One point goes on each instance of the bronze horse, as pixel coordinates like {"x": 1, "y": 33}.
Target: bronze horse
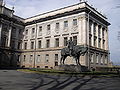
{"x": 76, "y": 52}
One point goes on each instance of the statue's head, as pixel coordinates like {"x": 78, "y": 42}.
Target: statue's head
{"x": 70, "y": 43}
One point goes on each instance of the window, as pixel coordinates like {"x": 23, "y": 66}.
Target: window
{"x": 74, "y": 22}
{"x": 103, "y": 32}
{"x": 57, "y": 25}
{"x": 48, "y": 27}
{"x": 95, "y": 29}
{"x": 13, "y": 44}
{"x": 32, "y": 45}
{"x": 75, "y": 40}
{"x": 24, "y": 58}
{"x": 47, "y": 43}
{"x": 4, "y": 41}
{"x": 99, "y": 31}
{"x": 65, "y": 41}
{"x": 20, "y": 31}
{"x": 103, "y": 44}
{"x": 101, "y": 59}
{"x": 40, "y": 30}
{"x": 106, "y": 59}
{"x": 56, "y": 63}
{"x": 57, "y": 42}
{"x": 31, "y": 58}
{"x": 90, "y": 40}
{"x": 38, "y": 58}
{"x": 99, "y": 42}
{"x": 18, "y": 58}
{"x": 95, "y": 40}
{"x": 13, "y": 32}
{"x": 33, "y": 30}
{"x": 25, "y": 45}
{"x": 39, "y": 44}
{"x": 46, "y": 66}
{"x": 56, "y": 57}
{"x": 90, "y": 27}
{"x": 65, "y": 24}
{"x": 92, "y": 58}
{"x": 26, "y": 32}
{"x": 47, "y": 58}
{"x": 97, "y": 58}
{"x": 19, "y": 45}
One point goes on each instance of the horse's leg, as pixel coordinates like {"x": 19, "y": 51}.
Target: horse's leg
{"x": 78, "y": 63}
{"x": 61, "y": 60}
{"x": 64, "y": 59}
{"x": 78, "y": 59}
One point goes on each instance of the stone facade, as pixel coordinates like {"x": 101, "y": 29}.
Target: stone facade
{"x": 11, "y": 29}
{"x": 46, "y": 34}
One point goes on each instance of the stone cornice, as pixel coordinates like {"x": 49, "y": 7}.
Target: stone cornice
{"x": 11, "y": 19}
{"x": 98, "y": 50}
{"x": 76, "y": 11}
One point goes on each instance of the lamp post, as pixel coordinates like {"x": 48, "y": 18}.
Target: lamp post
{"x": 88, "y": 39}
{"x": 35, "y": 43}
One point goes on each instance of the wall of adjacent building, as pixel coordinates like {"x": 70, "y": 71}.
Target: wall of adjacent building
{"x": 11, "y": 35}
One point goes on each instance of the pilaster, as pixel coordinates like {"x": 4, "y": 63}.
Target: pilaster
{"x": 92, "y": 32}
{"x": 80, "y": 25}
{"x": 84, "y": 31}
{"x": 0, "y": 32}
{"x": 101, "y": 37}
{"x": 9, "y": 37}
{"x": 97, "y": 35}
{"x": 106, "y": 39}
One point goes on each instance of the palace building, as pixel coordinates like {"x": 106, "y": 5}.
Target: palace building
{"x": 36, "y": 42}
{"x": 11, "y": 35}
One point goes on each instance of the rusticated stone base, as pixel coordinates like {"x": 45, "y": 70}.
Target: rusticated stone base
{"x": 72, "y": 68}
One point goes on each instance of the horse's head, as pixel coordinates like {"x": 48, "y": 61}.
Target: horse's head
{"x": 83, "y": 50}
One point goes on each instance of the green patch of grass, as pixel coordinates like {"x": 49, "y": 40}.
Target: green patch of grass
{"x": 52, "y": 71}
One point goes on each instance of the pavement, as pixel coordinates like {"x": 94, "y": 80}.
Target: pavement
{"x": 17, "y": 80}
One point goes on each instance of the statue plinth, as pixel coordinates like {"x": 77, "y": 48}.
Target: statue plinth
{"x": 72, "y": 68}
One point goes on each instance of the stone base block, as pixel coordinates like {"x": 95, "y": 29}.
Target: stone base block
{"x": 72, "y": 68}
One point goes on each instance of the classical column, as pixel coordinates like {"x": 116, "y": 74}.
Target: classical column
{"x": 80, "y": 30}
{"x": 100, "y": 36}
{"x": 102, "y": 31}
{"x": 84, "y": 31}
{"x": 92, "y": 32}
{"x": 9, "y": 37}
{"x": 97, "y": 35}
{"x": 0, "y": 32}
{"x": 106, "y": 39}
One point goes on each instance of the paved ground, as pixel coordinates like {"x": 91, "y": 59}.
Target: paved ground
{"x": 16, "y": 80}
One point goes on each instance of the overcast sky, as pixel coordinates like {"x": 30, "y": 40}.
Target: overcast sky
{"x": 111, "y": 8}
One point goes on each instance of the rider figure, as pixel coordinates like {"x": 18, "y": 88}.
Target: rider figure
{"x": 70, "y": 46}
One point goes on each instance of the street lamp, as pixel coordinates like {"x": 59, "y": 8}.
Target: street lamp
{"x": 88, "y": 39}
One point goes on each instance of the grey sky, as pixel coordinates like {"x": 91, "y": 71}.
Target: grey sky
{"x": 111, "y": 8}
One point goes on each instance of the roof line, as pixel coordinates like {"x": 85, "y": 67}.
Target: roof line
{"x": 97, "y": 11}
{"x": 55, "y": 10}
{"x": 19, "y": 17}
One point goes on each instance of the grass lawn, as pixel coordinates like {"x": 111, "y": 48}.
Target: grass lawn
{"x": 52, "y": 71}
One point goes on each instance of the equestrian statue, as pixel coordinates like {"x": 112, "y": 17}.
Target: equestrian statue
{"x": 72, "y": 50}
